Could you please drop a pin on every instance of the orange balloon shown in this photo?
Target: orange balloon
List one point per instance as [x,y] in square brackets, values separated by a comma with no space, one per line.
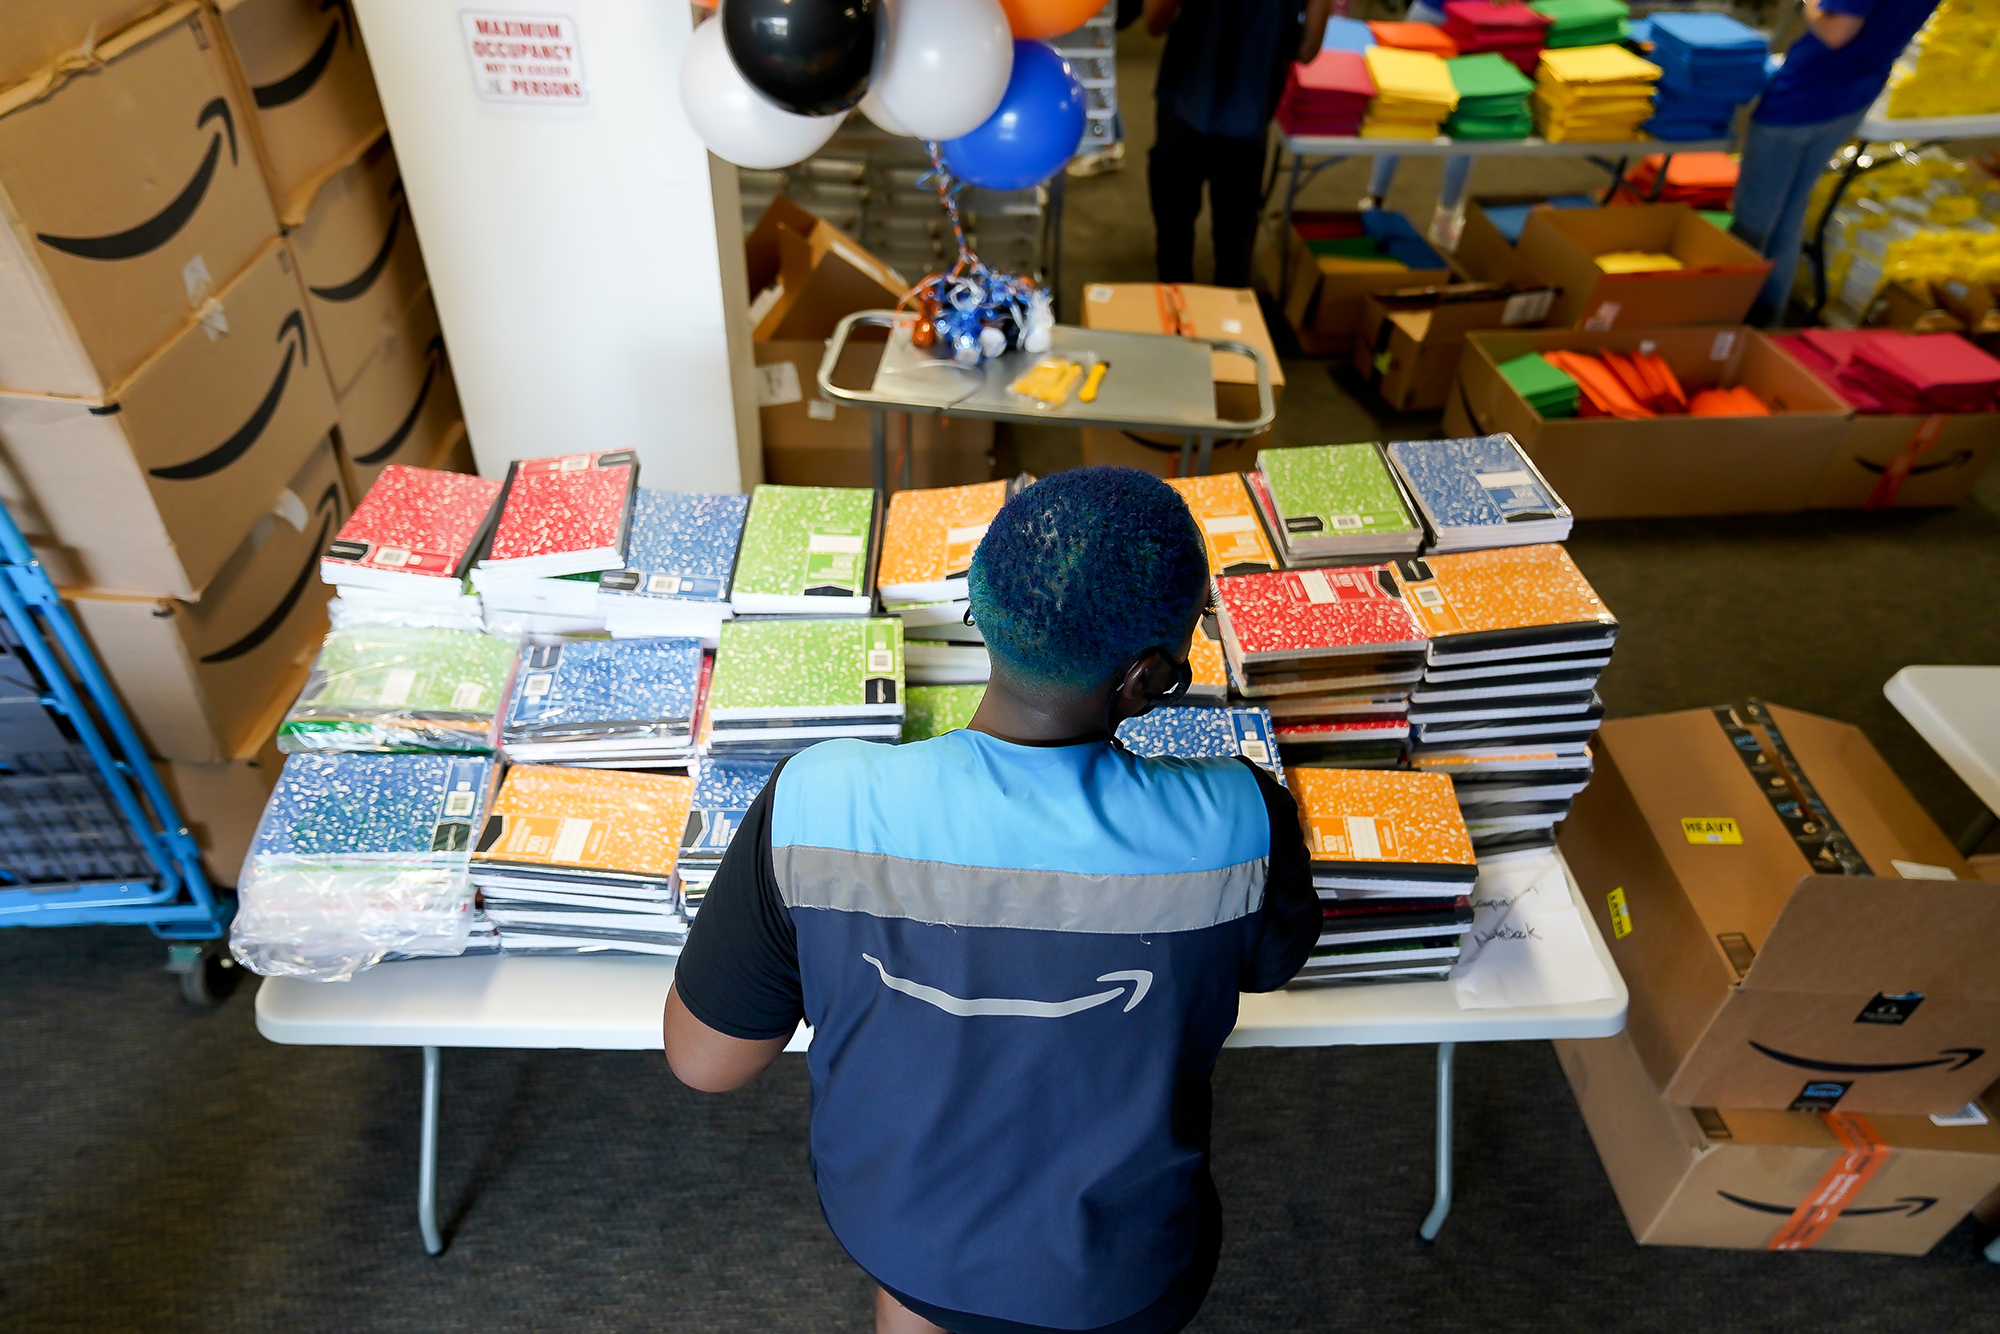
[1048,18]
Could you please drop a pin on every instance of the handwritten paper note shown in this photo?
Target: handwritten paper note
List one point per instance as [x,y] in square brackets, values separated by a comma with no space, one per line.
[1529,944]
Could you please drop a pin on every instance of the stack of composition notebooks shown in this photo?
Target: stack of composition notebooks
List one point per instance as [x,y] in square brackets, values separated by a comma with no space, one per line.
[927,546]
[1518,639]
[413,538]
[563,520]
[806,551]
[614,703]
[934,710]
[581,860]
[1332,654]
[1328,95]
[389,687]
[1582,22]
[1513,31]
[1593,94]
[1394,869]
[678,566]
[1549,390]
[1413,92]
[781,685]
[723,791]
[1479,492]
[1196,732]
[1492,97]
[1710,65]
[1334,504]
[1231,526]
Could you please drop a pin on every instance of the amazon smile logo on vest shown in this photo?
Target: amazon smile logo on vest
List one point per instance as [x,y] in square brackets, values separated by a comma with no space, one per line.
[1140,981]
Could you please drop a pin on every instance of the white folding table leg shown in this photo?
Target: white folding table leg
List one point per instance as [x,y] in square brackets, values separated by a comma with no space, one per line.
[1441,1203]
[427,1157]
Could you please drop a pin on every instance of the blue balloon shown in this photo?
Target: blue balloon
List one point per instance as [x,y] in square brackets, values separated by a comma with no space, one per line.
[1033,132]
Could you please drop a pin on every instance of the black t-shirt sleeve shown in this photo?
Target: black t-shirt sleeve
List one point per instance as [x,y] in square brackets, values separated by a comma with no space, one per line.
[739,972]
[1288,925]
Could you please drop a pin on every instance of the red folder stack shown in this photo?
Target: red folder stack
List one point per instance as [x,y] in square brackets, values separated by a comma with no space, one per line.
[1512,30]
[1329,95]
[1885,370]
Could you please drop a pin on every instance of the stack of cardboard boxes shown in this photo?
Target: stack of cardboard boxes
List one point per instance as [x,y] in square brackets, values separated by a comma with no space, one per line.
[1805,1055]
[214,329]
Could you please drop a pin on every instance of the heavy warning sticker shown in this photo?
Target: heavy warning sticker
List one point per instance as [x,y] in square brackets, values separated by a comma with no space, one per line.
[525,59]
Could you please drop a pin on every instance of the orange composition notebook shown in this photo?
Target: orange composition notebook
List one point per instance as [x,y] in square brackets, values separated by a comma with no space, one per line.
[613,821]
[1221,504]
[1358,816]
[929,539]
[1507,597]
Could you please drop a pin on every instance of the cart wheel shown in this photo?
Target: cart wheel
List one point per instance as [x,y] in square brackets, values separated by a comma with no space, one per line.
[211,980]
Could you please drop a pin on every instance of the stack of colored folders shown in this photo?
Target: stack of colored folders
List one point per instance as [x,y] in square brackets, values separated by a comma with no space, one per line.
[1593,94]
[1425,37]
[1413,94]
[1328,95]
[1582,22]
[1710,65]
[1703,181]
[1344,34]
[1397,237]
[1512,30]
[1492,99]
[1920,373]
[1631,385]
[1551,392]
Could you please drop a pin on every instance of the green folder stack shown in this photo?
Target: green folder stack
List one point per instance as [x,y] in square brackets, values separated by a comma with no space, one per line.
[1549,390]
[1583,22]
[1492,98]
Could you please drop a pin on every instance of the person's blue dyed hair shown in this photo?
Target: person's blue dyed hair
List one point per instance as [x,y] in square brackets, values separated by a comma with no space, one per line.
[1083,571]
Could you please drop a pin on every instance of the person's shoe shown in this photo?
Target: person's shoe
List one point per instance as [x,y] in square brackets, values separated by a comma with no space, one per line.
[1368,204]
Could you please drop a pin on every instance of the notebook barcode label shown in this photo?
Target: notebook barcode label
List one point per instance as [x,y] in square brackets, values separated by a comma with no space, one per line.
[1494,480]
[570,840]
[667,583]
[1254,750]
[396,686]
[1348,521]
[1315,585]
[537,685]
[394,557]
[467,695]
[460,803]
[881,660]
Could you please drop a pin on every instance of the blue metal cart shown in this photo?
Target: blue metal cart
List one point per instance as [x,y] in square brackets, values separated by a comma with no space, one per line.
[88,833]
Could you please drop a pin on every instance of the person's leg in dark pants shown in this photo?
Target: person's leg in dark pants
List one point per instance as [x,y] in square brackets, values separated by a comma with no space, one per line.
[1235,197]
[1175,170]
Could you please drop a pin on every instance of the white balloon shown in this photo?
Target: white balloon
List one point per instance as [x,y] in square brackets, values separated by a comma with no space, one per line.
[943,67]
[734,119]
[871,107]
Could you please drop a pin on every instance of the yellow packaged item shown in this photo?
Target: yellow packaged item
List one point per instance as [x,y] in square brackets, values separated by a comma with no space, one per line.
[1049,381]
[1637,261]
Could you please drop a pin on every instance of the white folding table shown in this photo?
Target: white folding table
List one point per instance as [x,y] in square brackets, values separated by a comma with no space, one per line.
[616,1003]
[1957,710]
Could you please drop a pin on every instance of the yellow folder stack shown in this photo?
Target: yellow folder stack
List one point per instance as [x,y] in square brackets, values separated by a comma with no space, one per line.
[1593,94]
[1413,94]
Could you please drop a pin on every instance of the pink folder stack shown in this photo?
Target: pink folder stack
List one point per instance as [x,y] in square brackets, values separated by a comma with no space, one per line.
[1884,370]
[1329,95]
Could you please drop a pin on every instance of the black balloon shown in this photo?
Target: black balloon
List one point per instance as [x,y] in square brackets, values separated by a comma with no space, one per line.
[811,57]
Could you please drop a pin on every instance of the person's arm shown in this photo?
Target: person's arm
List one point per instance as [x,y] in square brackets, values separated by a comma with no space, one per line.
[736,998]
[1160,15]
[1833,29]
[1317,13]
[1289,923]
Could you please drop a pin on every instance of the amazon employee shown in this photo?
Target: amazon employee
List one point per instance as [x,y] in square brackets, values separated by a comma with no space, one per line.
[1019,946]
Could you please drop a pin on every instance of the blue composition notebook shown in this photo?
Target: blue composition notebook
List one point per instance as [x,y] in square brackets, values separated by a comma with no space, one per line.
[1195,732]
[723,791]
[586,684]
[344,804]
[1485,481]
[682,546]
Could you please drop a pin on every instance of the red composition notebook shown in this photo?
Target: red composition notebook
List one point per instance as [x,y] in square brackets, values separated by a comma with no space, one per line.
[1316,613]
[414,532]
[564,515]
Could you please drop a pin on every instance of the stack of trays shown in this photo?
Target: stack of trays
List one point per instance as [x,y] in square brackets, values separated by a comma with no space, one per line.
[1394,870]
[1334,505]
[781,685]
[1197,732]
[581,860]
[723,791]
[1479,492]
[609,703]
[678,564]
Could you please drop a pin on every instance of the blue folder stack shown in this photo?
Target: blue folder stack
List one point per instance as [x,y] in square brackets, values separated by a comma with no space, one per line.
[1711,64]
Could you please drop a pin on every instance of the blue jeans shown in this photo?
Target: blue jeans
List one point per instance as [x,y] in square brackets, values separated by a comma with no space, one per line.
[1781,164]
[1450,193]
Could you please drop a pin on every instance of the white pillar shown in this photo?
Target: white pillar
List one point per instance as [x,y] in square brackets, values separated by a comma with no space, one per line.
[571,232]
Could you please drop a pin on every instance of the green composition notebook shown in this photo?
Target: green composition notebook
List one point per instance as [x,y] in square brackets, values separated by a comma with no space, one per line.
[1549,389]
[1326,493]
[807,665]
[934,710]
[394,688]
[806,550]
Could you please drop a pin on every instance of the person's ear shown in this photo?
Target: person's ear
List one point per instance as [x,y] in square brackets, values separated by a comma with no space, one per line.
[1133,696]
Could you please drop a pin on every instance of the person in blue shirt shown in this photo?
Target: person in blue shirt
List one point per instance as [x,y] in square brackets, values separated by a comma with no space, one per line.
[1019,947]
[1814,104]
[1220,78]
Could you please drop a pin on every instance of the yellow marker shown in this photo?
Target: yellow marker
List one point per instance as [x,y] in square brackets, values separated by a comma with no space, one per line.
[1089,392]
[1621,916]
[1710,829]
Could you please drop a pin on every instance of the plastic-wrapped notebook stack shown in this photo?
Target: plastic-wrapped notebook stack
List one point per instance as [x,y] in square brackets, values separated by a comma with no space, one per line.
[410,543]
[563,521]
[1479,492]
[397,687]
[927,546]
[1200,732]
[1334,505]
[782,684]
[1332,654]
[581,861]
[606,703]
[723,791]
[360,858]
[1394,869]
[678,567]
[1508,701]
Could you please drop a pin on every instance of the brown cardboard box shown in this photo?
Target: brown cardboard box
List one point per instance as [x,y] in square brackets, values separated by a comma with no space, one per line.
[1734,1179]
[1756,983]
[308,75]
[46,31]
[358,258]
[222,802]
[1913,308]
[156,485]
[1323,298]
[403,406]
[1484,253]
[1720,281]
[805,275]
[1411,339]
[1608,467]
[1947,456]
[129,195]
[810,442]
[1197,312]
[195,675]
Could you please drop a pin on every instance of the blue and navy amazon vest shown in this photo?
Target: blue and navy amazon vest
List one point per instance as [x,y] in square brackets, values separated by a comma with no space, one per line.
[1018,962]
